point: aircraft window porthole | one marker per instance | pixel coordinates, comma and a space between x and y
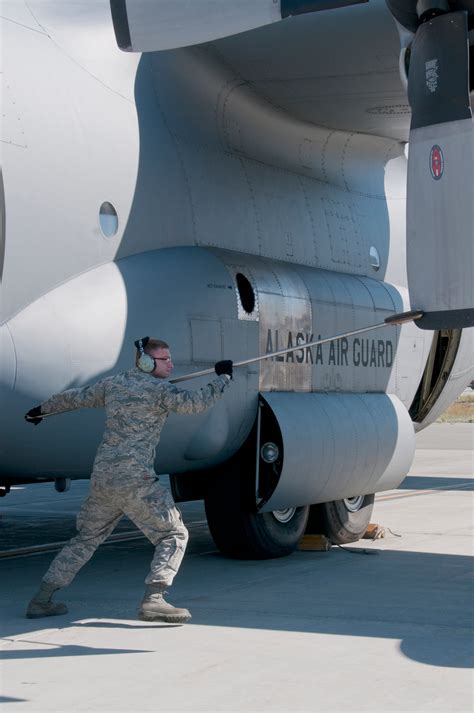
246, 293
108, 219
374, 258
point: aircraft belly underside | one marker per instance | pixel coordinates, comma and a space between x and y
224, 305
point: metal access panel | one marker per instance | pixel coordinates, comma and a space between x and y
334, 446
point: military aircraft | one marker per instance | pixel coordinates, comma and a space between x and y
239, 178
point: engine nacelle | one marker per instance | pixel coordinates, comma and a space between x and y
333, 446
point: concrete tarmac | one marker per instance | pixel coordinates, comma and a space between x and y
380, 626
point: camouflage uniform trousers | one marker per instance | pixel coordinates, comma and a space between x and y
148, 505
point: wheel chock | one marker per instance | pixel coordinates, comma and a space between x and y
374, 532
314, 543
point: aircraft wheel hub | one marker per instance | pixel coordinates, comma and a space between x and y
354, 504
284, 516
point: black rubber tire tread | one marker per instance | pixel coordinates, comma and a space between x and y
240, 532
339, 524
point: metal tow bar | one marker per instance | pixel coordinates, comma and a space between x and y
395, 319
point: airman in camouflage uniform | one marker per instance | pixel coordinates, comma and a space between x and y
123, 481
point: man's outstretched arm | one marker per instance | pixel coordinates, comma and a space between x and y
178, 400
183, 401
84, 397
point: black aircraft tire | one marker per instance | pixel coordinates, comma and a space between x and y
238, 530
340, 524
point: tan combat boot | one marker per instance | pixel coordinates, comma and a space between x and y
154, 607
41, 604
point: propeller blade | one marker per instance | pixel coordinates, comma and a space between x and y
440, 184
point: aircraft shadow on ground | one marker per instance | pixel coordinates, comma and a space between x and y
422, 599
63, 650
425, 482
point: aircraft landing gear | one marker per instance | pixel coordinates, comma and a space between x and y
341, 521
241, 532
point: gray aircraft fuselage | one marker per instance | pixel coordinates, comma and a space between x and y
233, 198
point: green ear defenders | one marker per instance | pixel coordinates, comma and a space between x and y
145, 362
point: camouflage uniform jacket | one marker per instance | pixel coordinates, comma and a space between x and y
136, 407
